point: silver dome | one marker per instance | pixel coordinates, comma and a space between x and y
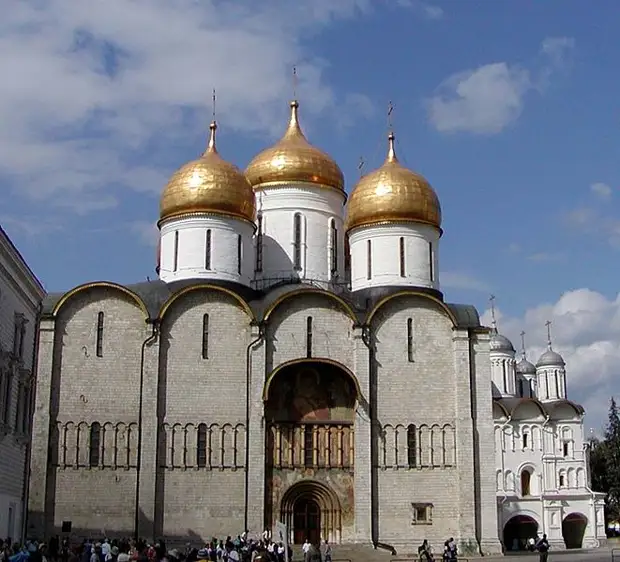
501, 343
550, 359
524, 367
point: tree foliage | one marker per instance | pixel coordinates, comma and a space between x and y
605, 463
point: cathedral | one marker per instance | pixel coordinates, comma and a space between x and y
296, 362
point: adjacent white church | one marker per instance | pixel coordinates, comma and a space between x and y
543, 484
297, 362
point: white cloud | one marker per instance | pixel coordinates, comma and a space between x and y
489, 98
146, 232
464, 281
601, 190
595, 222
586, 331
93, 84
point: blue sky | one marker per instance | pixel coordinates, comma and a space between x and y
510, 109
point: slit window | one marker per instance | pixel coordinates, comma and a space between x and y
334, 248
411, 446
401, 251
205, 336
369, 259
208, 249
94, 452
309, 336
525, 439
201, 446
565, 449
308, 445
99, 342
297, 238
175, 257
561, 480
431, 261
526, 478
239, 253
259, 243
410, 340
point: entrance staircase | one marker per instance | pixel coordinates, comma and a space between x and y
352, 553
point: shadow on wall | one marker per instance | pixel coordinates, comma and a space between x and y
78, 534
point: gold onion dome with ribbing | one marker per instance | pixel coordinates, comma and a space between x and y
392, 193
294, 160
208, 185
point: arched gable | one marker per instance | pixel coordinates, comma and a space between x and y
206, 287
343, 304
499, 411
565, 409
419, 294
528, 408
100, 285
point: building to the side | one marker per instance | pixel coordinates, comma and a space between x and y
542, 477
296, 361
21, 295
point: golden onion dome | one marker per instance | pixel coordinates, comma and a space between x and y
294, 160
208, 185
392, 193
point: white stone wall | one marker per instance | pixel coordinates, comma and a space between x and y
20, 296
318, 208
551, 383
383, 245
207, 247
503, 374
420, 391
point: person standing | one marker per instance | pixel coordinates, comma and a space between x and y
543, 548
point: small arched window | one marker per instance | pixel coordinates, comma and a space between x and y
401, 256
431, 261
205, 336
369, 259
259, 243
94, 452
201, 446
239, 253
309, 336
412, 446
526, 478
521, 388
410, 340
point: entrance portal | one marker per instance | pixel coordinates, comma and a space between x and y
518, 531
573, 529
306, 521
311, 510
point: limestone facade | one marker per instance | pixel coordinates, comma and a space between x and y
20, 298
152, 402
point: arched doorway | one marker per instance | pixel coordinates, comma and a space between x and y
306, 521
574, 529
311, 510
518, 530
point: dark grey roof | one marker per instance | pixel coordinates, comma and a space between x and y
155, 293
501, 343
550, 358
510, 404
524, 367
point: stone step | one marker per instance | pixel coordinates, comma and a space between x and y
351, 553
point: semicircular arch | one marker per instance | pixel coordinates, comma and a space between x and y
311, 489
104, 285
206, 287
565, 403
269, 379
525, 514
438, 302
501, 408
344, 305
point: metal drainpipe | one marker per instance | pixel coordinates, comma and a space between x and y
367, 339
248, 391
31, 403
152, 337
503, 500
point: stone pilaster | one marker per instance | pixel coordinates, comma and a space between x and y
363, 436
255, 438
150, 431
464, 440
486, 496
41, 432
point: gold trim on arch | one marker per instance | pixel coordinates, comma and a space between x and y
206, 287
100, 284
310, 290
387, 299
323, 360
